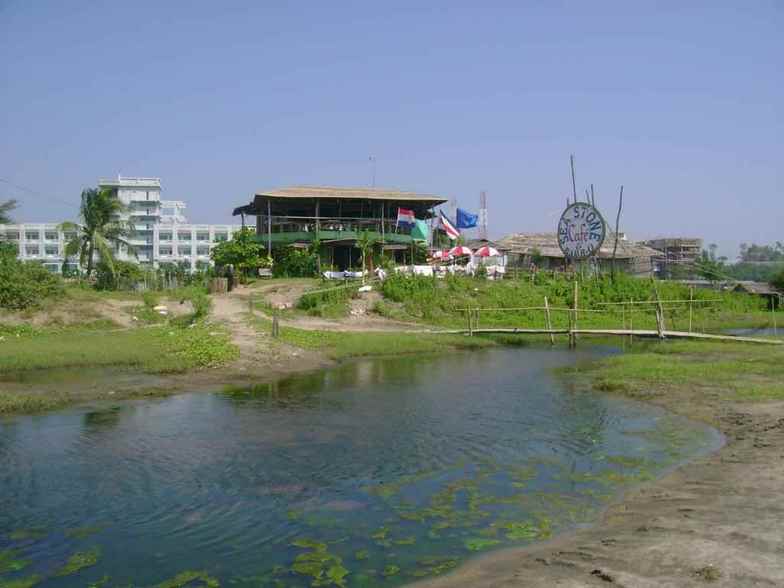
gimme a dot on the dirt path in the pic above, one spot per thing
(718, 521)
(359, 319)
(259, 352)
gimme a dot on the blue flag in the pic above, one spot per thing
(466, 220)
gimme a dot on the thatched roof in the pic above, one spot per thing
(350, 193)
(337, 193)
(759, 288)
(547, 245)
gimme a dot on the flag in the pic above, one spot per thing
(466, 220)
(420, 231)
(405, 217)
(448, 227)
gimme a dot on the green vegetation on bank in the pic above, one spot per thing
(168, 349)
(439, 302)
(732, 371)
(158, 349)
(24, 285)
(343, 345)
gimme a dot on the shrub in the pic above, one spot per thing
(126, 276)
(332, 302)
(25, 285)
(290, 262)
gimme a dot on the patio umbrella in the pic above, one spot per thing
(459, 251)
(440, 254)
(486, 251)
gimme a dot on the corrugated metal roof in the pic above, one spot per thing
(350, 193)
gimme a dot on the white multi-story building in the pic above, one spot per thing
(160, 232)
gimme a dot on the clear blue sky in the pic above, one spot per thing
(682, 102)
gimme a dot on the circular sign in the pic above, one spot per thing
(581, 231)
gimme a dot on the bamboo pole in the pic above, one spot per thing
(631, 322)
(549, 320)
(468, 316)
(659, 317)
(691, 307)
(572, 334)
(773, 314)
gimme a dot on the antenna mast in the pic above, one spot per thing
(483, 215)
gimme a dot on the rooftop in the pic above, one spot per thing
(121, 181)
(349, 193)
(547, 245)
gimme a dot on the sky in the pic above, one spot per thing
(682, 103)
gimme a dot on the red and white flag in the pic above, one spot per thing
(405, 217)
(448, 227)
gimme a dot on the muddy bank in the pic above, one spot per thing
(717, 520)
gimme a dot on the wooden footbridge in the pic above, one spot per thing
(573, 331)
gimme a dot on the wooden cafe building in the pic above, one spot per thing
(297, 216)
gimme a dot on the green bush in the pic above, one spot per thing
(331, 302)
(290, 262)
(150, 299)
(126, 276)
(25, 285)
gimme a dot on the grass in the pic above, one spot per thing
(343, 345)
(153, 350)
(438, 302)
(734, 371)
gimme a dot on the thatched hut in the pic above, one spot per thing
(542, 249)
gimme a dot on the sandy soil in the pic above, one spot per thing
(717, 521)
(360, 318)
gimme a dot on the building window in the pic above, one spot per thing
(165, 237)
(51, 235)
(220, 237)
(52, 267)
(184, 236)
(52, 250)
(69, 236)
(32, 235)
(31, 250)
(165, 250)
(12, 235)
(202, 236)
(183, 250)
(203, 251)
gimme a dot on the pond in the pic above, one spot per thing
(374, 473)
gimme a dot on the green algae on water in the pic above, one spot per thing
(10, 563)
(99, 583)
(31, 534)
(28, 582)
(324, 567)
(362, 554)
(390, 570)
(480, 543)
(187, 577)
(78, 561)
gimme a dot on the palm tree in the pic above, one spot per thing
(100, 229)
(5, 209)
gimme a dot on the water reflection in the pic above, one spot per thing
(403, 460)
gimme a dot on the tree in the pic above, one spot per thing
(100, 229)
(778, 281)
(243, 252)
(5, 210)
(365, 243)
